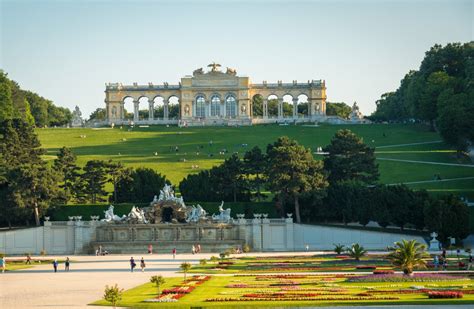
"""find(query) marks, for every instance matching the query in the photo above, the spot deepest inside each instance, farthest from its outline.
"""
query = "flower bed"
(404, 278)
(366, 267)
(226, 263)
(383, 272)
(315, 298)
(445, 294)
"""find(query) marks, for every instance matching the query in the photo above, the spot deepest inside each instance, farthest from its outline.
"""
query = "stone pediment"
(215, 77)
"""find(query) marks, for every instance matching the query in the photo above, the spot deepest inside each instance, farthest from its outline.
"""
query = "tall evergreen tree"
(93, 180)
(65, 165)
(254, 166)
(349, 158)
(292, 171)
(6, 102)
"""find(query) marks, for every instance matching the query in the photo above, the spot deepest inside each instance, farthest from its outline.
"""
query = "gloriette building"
(218, 98)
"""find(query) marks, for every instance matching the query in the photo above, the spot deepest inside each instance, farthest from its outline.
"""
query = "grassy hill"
(154, 147)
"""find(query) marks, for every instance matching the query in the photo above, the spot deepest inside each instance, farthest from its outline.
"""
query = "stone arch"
(258, 108)
(143, 108)
(172, 105)
(273, 105)
(128, 112)
(158, 107)
(303, 105)
(287, 105)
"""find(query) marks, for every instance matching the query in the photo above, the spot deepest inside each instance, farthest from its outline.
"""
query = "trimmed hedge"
(62, 212)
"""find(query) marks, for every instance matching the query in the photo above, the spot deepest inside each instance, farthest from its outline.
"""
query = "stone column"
(135, 110)
(151, 110)
(166, 112)
(78, 239)
(265, 109)
(280, 108)
(290, 234)
(223, 109)
(295, 108)
(122, 110)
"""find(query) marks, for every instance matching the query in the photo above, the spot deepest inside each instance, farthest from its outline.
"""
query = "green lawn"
(137, 147)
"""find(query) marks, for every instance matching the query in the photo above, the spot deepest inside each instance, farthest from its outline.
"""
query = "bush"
(202, 262)
(158, 281)
(246, 248)
(356, 251)
(214, 259)
(339, 248)
(43, 252)
(113, 294)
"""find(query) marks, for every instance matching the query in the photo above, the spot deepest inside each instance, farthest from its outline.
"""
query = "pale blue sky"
(67, 50)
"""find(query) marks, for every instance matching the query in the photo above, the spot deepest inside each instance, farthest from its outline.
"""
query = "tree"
(27, 184)
(356, 251)
(339, 248)
(408, 255)
(340, 109)
(113, 294)
(254, 167)
(435, 84)
(6, 103)
(99, 114)
(158, 281)
(257, 106)
(116, 171)
(93, 180)
(137, 185)
(65, 165)
(230, 175)
(349, 158)
(293, 171)
(185, 267)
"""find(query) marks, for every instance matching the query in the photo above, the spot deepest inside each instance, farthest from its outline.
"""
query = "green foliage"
(356, 251)
(214, 259)
(257, 106)
(339, 248)
(408, 255)
(340, 109)
(27, 183)
(246, 248)
(65, 166)
(158, 281)
(449, 217)
(98, 115)
(293, 171)
(6, 103)
(439, 92)
(254, 167)
(349, 158)
(202, 262)
(113, 294)
(93, 181)
(185, 267)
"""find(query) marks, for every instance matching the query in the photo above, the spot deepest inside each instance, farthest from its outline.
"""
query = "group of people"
(67, 263)
(441, 261)
(133, 264)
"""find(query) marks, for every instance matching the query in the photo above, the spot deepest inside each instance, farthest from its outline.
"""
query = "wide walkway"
(41, 287)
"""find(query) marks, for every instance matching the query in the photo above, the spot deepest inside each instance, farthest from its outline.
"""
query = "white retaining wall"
(73, 237)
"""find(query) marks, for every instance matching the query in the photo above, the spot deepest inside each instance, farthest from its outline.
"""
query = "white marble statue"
(224, 214)
(111, 217)
(76, 118)
(137, 215)
(195, 213)
(167, 194)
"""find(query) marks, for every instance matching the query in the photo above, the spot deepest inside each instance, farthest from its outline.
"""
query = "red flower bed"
(383, 272)
(342, 257)
(226, 263)
(445, 294)
(179, 290)
(366, 267)
(316, 298)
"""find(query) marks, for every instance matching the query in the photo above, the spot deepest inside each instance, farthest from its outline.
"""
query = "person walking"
(66, 264)
(150, 249)
(436, 262)
(193, 250)
(132, 264)
(28, 259)
(174, 253)
(142, 264)
(55, 266)
(3, 264)
(198, 248)
(469, 262)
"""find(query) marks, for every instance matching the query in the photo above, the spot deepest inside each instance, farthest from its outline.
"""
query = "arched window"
(215, 106)
(114, 112)
(200, 107)
(230, 106)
